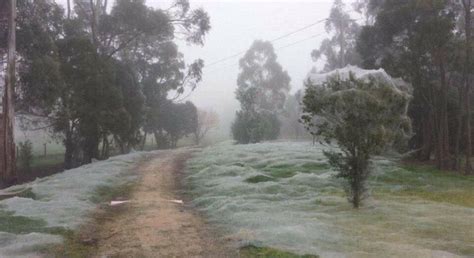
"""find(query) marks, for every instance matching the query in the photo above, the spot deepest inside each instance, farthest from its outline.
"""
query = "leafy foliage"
(339, 50)
(101, 76)
(254, 127)
(178, 120)
(262, 83)
(25, 155)
(362, 117)
(426, 43)
(262, 90)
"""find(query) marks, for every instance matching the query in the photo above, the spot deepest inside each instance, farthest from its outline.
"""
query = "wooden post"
(8, 169)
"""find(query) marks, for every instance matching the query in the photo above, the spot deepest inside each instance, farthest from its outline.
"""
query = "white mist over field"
(284, 195)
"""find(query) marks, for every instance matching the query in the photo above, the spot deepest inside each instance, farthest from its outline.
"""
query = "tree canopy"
(362, 117)
(339, 50)
(99, 75)
(262, 89)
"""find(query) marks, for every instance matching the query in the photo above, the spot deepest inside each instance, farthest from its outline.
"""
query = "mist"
(235, 25)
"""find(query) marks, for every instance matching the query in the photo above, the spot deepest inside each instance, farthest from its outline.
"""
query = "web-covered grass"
(54, 206)
(284, 195)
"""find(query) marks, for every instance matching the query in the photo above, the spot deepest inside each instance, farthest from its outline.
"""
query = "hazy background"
(235, 25)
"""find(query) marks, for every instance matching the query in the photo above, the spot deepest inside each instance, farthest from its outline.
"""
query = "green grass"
(252, 251)
(290, 170)
(20, 224)
(414, 181)
(428, 183)
(48, 160)
(107, 193)
(73, 246)
(280, 173)
(11, 223)
(28, 193)
(311, 166)
(259, 179)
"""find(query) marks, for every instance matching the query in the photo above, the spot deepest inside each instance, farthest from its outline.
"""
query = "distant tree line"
(102, 77)
(429, 45)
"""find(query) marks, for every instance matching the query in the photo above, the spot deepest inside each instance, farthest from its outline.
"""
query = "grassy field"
(47, 215)
(285, 196)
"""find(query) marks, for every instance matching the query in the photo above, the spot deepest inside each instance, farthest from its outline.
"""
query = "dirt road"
(152, 225)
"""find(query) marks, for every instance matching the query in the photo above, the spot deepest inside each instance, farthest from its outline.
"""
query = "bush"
(25, 155)
(253, 127)
(364, 118)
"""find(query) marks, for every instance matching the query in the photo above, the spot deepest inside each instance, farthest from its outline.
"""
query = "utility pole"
(8, 160)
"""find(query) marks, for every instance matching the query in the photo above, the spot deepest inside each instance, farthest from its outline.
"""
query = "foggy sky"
(235, 25)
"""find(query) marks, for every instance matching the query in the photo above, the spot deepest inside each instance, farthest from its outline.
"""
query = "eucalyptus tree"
(339, 50)
(93, 83)
(179, 120)
(413, 40)
(467, 79)
(262, 89)
(7, 117)
(144, 38)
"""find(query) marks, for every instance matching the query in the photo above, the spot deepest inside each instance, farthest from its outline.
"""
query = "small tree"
(364, 117)
(25, 155)
(178, 120)
(206, 121)
(254, 127)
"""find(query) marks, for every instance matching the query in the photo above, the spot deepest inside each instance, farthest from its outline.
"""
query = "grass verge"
(428, 183)
(83, 242)
(107, 193)
(252, 251)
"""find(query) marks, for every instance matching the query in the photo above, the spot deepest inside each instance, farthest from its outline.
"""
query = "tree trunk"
(467, 100)
(427, 140)
(459, 126)
(443, 134)
(356, 189)
(197, 138)
(68, 9)
(144, 140)
(94, 21)
(104, 7)
(342, 53)
(105, 147)
(91, 148)
(8, 160)
(69, 152)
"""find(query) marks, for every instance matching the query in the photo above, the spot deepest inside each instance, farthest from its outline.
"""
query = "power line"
(301, 41)
(273, 40)
(296, 31)
(279, 48)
